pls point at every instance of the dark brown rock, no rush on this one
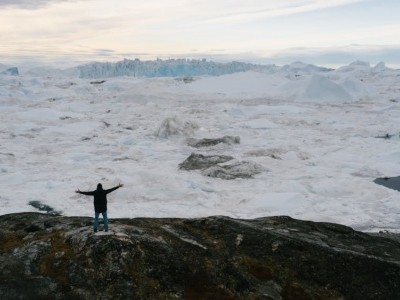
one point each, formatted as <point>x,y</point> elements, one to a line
<point>199,143</point>
<point>55,257</point>
<point>201,162</point>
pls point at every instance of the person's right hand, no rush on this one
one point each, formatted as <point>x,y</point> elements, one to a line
<point>120,185</point>
<point>77,191</point>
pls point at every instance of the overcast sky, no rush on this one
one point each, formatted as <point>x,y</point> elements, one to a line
<point>327,32</point>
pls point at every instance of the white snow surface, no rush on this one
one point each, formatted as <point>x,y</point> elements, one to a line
<point>315,135</point>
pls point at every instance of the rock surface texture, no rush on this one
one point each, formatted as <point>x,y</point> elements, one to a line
<point>56,257</point>
<point>221,166</point>
<point>173,126</point>
<point>201,162</point>
<point>199,143</point>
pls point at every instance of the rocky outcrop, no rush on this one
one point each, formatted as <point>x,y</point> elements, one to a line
<point>201,162</point>
<point>199,143</point>
<point>233,170</point>
<point>55,257</point>
<point>221,166</point>
<point>44,208</point>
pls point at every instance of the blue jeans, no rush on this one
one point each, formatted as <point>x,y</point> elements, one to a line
<point>96,221</point>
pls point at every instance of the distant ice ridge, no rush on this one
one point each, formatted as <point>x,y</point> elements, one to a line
<point>167,68</point>
<point>193,67</point>
<point>300,67</point>
<point>7,70</point>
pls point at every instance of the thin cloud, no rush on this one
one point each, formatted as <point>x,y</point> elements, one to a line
<point>334,56</point>
<point>276,9</point>
<point>29,4</point>
<point>104,52</point>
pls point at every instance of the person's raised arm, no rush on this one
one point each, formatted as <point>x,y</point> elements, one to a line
<point>84,193</point>
<point>114,188</point>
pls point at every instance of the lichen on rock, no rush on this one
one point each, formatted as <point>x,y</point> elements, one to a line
<point>206,258</point>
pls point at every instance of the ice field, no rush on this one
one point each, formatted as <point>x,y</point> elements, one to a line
<point>316,134</point>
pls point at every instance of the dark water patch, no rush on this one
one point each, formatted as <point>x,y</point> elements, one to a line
<point>44,207</point>
<point>389,182</point>
<point>389,136</point>
<point>97,82</point>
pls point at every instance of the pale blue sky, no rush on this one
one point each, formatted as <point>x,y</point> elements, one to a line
<point>327,32</point>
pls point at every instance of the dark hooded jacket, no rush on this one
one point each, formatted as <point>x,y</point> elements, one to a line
<point>100,198</point>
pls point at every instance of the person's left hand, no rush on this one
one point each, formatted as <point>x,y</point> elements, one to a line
<point>120,185</point>
<point>77,191</point>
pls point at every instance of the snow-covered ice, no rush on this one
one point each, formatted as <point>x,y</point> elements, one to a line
<point>313,130</point>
